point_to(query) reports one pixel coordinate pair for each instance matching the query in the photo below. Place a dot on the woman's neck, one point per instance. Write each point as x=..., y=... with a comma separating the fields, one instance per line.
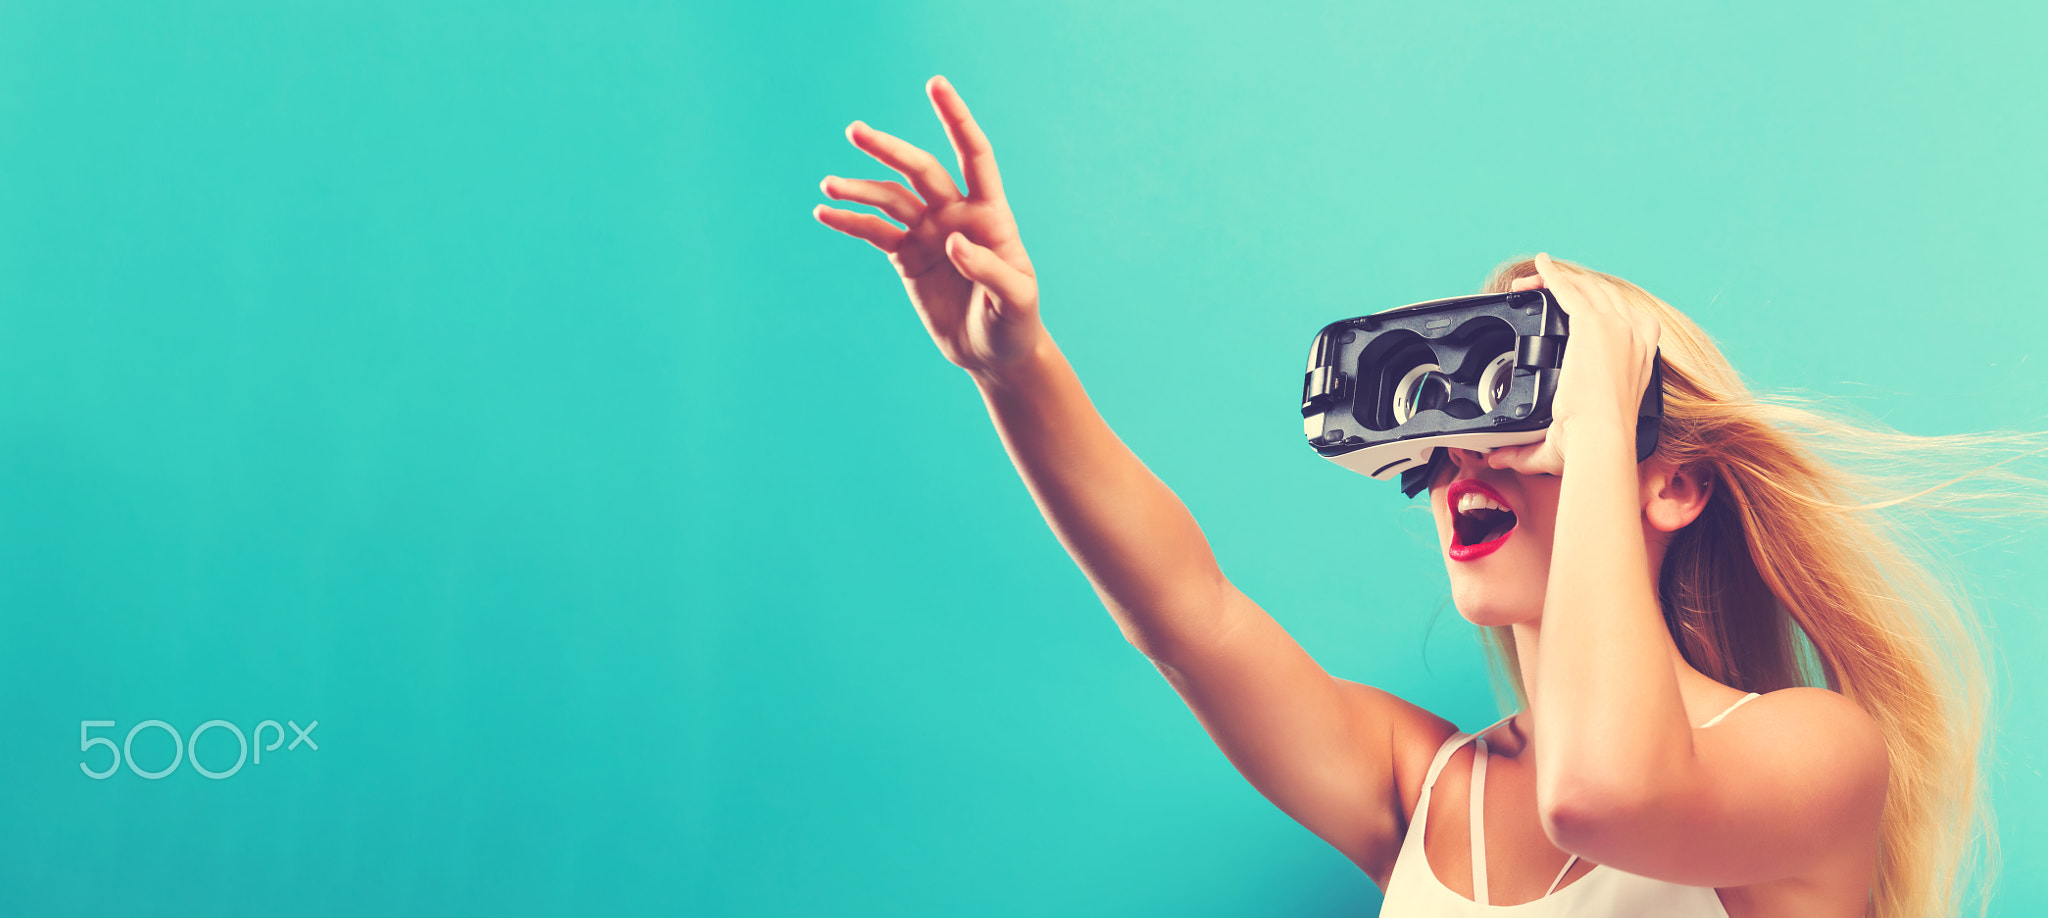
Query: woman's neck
x=1528, y=641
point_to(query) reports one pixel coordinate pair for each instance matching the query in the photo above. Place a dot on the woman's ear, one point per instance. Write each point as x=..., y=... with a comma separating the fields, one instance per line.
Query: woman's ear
x=1673, y=497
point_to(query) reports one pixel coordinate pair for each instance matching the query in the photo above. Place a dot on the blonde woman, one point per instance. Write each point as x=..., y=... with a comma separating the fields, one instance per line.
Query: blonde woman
x=1740, y=694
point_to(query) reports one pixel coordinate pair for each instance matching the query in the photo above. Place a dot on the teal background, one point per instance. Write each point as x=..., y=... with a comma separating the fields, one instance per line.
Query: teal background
x=472, y=379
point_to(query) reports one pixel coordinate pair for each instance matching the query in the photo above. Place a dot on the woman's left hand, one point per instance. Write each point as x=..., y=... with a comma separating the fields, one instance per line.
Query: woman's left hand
x=1607, y=362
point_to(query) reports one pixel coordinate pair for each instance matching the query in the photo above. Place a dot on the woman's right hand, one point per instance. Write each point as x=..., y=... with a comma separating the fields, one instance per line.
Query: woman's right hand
x=959, y=255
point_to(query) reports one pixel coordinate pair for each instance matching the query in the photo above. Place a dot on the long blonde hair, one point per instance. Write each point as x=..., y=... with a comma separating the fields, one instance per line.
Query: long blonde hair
x=1805, y=571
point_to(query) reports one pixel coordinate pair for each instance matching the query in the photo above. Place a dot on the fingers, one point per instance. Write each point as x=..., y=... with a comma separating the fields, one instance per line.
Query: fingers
x=1526, y=283
x=1569, y=297
x=1502, y=457
x=892, y=198
x=1013, y=287
x=1579, y=294
x=878, y=232
x=977, y=158
x=922, y=169
x=1531, y=459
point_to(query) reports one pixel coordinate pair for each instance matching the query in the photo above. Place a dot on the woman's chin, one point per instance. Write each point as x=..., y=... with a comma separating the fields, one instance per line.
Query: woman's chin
x=1489, y=607
x=1503, y=588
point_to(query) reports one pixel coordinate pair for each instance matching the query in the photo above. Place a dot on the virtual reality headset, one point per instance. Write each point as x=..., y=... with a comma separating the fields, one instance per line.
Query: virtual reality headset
x=1386, y=393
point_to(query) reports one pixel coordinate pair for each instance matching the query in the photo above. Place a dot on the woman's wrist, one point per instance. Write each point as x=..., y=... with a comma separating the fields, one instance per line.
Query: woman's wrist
x=1593, y=438
x=1026, y=373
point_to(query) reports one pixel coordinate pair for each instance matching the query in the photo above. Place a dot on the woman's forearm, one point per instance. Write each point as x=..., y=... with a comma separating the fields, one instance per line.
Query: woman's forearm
x=1130, y=534
x=1606, y=698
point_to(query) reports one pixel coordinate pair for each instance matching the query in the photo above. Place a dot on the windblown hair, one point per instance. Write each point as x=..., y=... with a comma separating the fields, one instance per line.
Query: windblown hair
x=1804, y=570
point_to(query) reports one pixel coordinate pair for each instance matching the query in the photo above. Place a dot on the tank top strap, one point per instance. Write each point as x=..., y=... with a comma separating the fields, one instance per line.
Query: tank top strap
x=1443, y=757
x=1451, y=744
x=1560, y=874
x=1478, y=808
x=1731, y=709
x=1489, y=727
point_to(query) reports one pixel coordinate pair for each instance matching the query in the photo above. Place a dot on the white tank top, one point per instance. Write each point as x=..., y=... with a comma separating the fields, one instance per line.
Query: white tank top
x=1414, y=891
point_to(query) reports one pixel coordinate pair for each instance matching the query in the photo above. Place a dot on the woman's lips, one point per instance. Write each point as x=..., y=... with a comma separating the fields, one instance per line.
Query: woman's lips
x=1453, y=495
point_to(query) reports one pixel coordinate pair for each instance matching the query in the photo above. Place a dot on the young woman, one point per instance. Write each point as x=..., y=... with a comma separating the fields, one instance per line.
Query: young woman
x=1669, y=625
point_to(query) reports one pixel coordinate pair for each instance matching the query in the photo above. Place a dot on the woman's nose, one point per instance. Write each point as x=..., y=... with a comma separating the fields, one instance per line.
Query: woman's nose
x=1462, y=459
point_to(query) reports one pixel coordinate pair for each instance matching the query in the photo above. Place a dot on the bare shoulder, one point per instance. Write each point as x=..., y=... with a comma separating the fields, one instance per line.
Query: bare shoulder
x=1806, y=718
x=1792, y=806
x=1807, y=768
x=1788, y=788
x=1414, y=734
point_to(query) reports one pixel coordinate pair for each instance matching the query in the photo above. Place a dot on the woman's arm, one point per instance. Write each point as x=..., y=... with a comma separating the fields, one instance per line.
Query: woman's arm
x=1625, y=777
x=1128, y=532
x=1319, y=748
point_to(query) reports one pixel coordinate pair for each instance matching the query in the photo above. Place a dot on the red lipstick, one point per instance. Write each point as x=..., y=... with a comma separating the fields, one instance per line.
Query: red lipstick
x=1482, y=529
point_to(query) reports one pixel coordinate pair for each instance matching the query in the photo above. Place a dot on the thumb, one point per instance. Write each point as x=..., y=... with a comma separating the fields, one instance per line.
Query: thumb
x=976, y=263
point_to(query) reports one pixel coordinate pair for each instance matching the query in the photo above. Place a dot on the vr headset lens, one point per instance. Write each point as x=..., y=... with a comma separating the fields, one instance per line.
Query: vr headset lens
x=1425, y=388
x=1428, y=388
x=1493, y=382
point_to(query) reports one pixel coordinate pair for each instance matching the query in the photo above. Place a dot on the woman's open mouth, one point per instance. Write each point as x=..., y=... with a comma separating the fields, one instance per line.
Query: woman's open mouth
x=1480, y=520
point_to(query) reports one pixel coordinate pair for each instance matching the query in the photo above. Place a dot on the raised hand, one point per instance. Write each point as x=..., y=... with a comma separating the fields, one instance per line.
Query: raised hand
x=1319, y=748
x=1606, y=367
x=958, y=254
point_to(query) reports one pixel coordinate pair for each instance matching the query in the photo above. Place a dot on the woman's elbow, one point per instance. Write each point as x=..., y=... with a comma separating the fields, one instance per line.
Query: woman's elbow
x=1580, y=816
